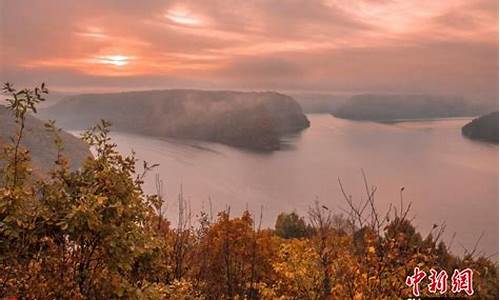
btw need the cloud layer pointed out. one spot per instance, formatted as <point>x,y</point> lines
<point>448,46</point>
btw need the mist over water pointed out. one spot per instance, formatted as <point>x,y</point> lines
<point>447,177</point>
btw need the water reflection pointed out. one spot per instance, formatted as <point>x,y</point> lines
<point>447,177</point>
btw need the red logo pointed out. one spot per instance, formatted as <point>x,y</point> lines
<point>461,281</point>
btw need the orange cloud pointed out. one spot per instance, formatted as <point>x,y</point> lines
<point>396,46</point>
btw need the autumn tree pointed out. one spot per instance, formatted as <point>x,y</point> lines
<point>292,226</point>
<point>93,233</point>
<point>74,234</point>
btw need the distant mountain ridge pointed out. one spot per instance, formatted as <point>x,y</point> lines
<point>319,102</point>
<point>40,142</point>
<point>380,107</point>
<point>484,128</point>
<point>254,120</point>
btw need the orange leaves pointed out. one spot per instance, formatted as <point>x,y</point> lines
<point>94,234</point>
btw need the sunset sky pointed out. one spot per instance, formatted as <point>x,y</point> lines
<point>410,46</point>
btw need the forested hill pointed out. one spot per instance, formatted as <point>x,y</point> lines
<point>381,107</point>
<point>40,142</point>
<point>95,234</point>
<point>484,128</point>
<point>254,120</point>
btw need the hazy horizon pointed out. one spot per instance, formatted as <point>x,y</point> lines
<point>374,46</point>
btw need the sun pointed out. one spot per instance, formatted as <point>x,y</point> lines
<point>115,60</point>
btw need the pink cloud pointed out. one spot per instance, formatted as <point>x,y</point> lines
<point>421,45</point>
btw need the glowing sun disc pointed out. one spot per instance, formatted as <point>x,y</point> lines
<point>116,60</point>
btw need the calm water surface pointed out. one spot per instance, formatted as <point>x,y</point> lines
<point>447,177</point>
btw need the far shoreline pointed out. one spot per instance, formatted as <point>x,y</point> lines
<point>404,120</point>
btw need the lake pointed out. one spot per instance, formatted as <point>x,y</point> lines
<point>447,177</point>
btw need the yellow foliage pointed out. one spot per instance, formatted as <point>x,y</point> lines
<point>94,234</point>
